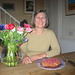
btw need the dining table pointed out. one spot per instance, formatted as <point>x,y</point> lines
<point>34,69</point>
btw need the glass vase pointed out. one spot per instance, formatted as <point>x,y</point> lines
<point>11,58</point>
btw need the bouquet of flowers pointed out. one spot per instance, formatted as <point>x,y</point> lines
<point>12,37</point>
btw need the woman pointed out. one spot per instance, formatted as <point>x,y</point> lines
<point>42,42</point>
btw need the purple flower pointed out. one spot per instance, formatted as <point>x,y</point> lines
<point>25,40</point>
<point>2,27</point>
<point>16,41</point>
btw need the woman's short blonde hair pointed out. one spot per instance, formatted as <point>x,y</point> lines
<point>35,13</point>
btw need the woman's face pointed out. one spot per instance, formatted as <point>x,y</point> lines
<point>40,20</point>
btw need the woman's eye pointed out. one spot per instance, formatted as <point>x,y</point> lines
<point>43,18</point>
<point>40,18</point>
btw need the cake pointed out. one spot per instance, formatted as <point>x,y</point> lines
<point>51,63</point>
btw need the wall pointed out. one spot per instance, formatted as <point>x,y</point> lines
<point>68,24</point>
<point>19,13</point>
<point>52,9</point>
<point>67,37</point>
<point>67,45</point>
<point>63,26</point>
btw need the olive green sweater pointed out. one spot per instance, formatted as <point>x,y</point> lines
<point>37,44</point>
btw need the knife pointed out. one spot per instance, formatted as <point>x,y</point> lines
<point>71,62</point>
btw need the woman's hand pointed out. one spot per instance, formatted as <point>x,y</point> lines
<point>26,60</point>
<point>38,56</point>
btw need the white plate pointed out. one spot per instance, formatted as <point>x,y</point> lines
<point>39,65</point>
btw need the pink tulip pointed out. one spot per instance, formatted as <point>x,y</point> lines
<point>20,29</point>
<point>27,25</point>
<point>28,29</point>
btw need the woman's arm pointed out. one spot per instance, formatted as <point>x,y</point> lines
<point>55,48</point>
<point>23,49</point>
<point>27,60</point>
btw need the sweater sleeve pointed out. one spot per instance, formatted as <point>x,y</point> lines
<point>55,48</point>
<point>23,48</point>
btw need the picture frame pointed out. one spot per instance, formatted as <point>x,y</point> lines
<point>29,6</point>
<point>8,6</point>
<point>69,7</point>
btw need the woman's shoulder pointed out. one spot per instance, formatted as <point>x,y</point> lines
<point>49,31</point>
